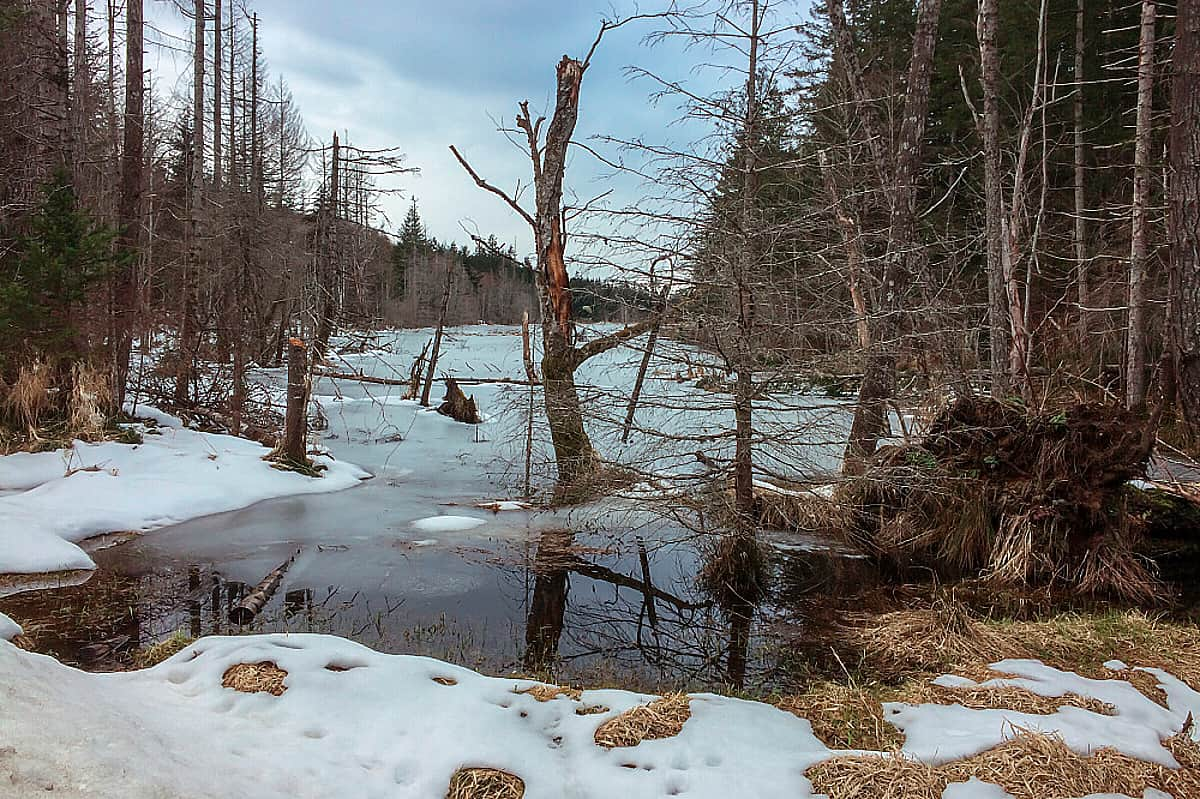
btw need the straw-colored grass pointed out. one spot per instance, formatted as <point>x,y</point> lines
<point>29,395</point>
<point>445,681</point>
<point>90,394</point>
<point>485,783</point>
<point>251,678</point>
<point>546,693</point>
<point>157,653</point>
<point>1027,767</point>
<point>662,718</point>
<point>851,717</point>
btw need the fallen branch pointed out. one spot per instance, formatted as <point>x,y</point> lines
<point>245,611</point>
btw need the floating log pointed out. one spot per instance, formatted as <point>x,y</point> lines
<point>244,612</point>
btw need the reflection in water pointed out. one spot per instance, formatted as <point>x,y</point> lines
<point>576,609</point>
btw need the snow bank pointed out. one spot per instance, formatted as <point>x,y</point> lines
<point>175,475</point>
<point>9,629</point>
<point>382,727</point>
<point>356,723</point>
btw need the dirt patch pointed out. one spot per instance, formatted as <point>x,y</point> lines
<point>485,783</point>
<point>1027,767</point>
<point>251,678</point>
<point>662,718</point>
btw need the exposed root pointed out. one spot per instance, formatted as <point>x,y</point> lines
<point>251,678</point>
<point>662,718</point>
<point>485,783</point>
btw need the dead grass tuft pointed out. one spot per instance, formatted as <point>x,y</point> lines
<point>157,653</point>
<point>251,678</point>
<point>29,396</point>
<point>590,710</point>
<point>485,783</point>
<point>1027,767</point>
<point>546,693</point>
<point>90,394</point>
<point>662,718</point>
<point>934,638</point>
<point>445,681</point>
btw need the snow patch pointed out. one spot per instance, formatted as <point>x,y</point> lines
<point>974,789</point>
<point>447,524</point>
<point>9,629</point>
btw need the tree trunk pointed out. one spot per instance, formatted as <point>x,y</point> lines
<point>437,336</point>
<point>217,176</point>
<point>989,128</point>
<point>1185,209</point>
<point>295,435</point>
<point>879,379</point>
<point>1135,335</point>
<point>130,213</point>
<point>1083,284</point>
<point>191,267</point>
<point>81,89</point>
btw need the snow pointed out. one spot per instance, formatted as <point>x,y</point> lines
<point>383,728</point>
<point>1115,665</point>
<point>938,733</point>
<point>9,629</point>
<point>974,789</point>
<point>177,474</point>
<point>357,723</point>
<point>447,524</point>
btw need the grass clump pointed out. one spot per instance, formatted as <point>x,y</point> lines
<point>157,653</point>
<point>1027,767</point>
<point>662,718</point>
<point>250,678</point>
<point>485,783</point>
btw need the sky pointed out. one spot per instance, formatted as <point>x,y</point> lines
<point>424,75</point>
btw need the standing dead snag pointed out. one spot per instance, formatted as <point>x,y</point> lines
<point>578,465</point>
<point>295,437</point>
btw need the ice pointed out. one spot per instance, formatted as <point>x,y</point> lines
<point>174,475</point>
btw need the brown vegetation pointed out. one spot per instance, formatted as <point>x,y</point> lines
<point>485,783</point>
<point>251,678</point>
<point>662,718</point>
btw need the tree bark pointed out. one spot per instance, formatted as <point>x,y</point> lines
<point>191,266</point>
<point>295,435</point>
<point>130,203</point>
<point>218,166</point>
<point>1079,231</point>
<point>1184,209</point>
<point>1135,333</point>
<point>989,128</point>
<point>879,379</point>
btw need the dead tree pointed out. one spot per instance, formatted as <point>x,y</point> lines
<point>295,435</point>
<point>191,266</point>
<point>1184,209</point>
<point>437,336</point>
<point>578,464</point>
<point>1135,330</point>
<point>130,214</point>
<point>989,130</point>
<point>900,264</point>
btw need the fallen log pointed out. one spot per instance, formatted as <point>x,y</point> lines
<point>252,604</point>
<point>389,381</point>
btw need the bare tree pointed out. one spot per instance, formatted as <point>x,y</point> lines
<point>130,214</point>
<point>1135,330</point>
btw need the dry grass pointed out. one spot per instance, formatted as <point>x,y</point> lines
<point>90,394</point>
<point>851,717</point>
<point>662,718</point>
<point>157,653</point>
<point>445,681</point>
<point>1027,767</point>
<point>934,638</point>
<point>485,783</point>
<point>546,693</point>
<point>29,396</point>
<point>251,678</point>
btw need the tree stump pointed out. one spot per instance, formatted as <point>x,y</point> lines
<point>457,405</point>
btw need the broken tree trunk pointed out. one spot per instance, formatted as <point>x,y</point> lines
<point>457,405</point>
<point>437,337</point>
<point>295,437</point>
<point>244,612</point>
<point>645,365</point>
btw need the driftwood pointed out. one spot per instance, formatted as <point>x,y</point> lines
<point>457,405</point>
<point>253,603</point>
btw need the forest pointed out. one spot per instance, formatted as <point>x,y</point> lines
<point>839,436</point>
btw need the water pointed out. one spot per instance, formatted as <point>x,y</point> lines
<point>559,594</point>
